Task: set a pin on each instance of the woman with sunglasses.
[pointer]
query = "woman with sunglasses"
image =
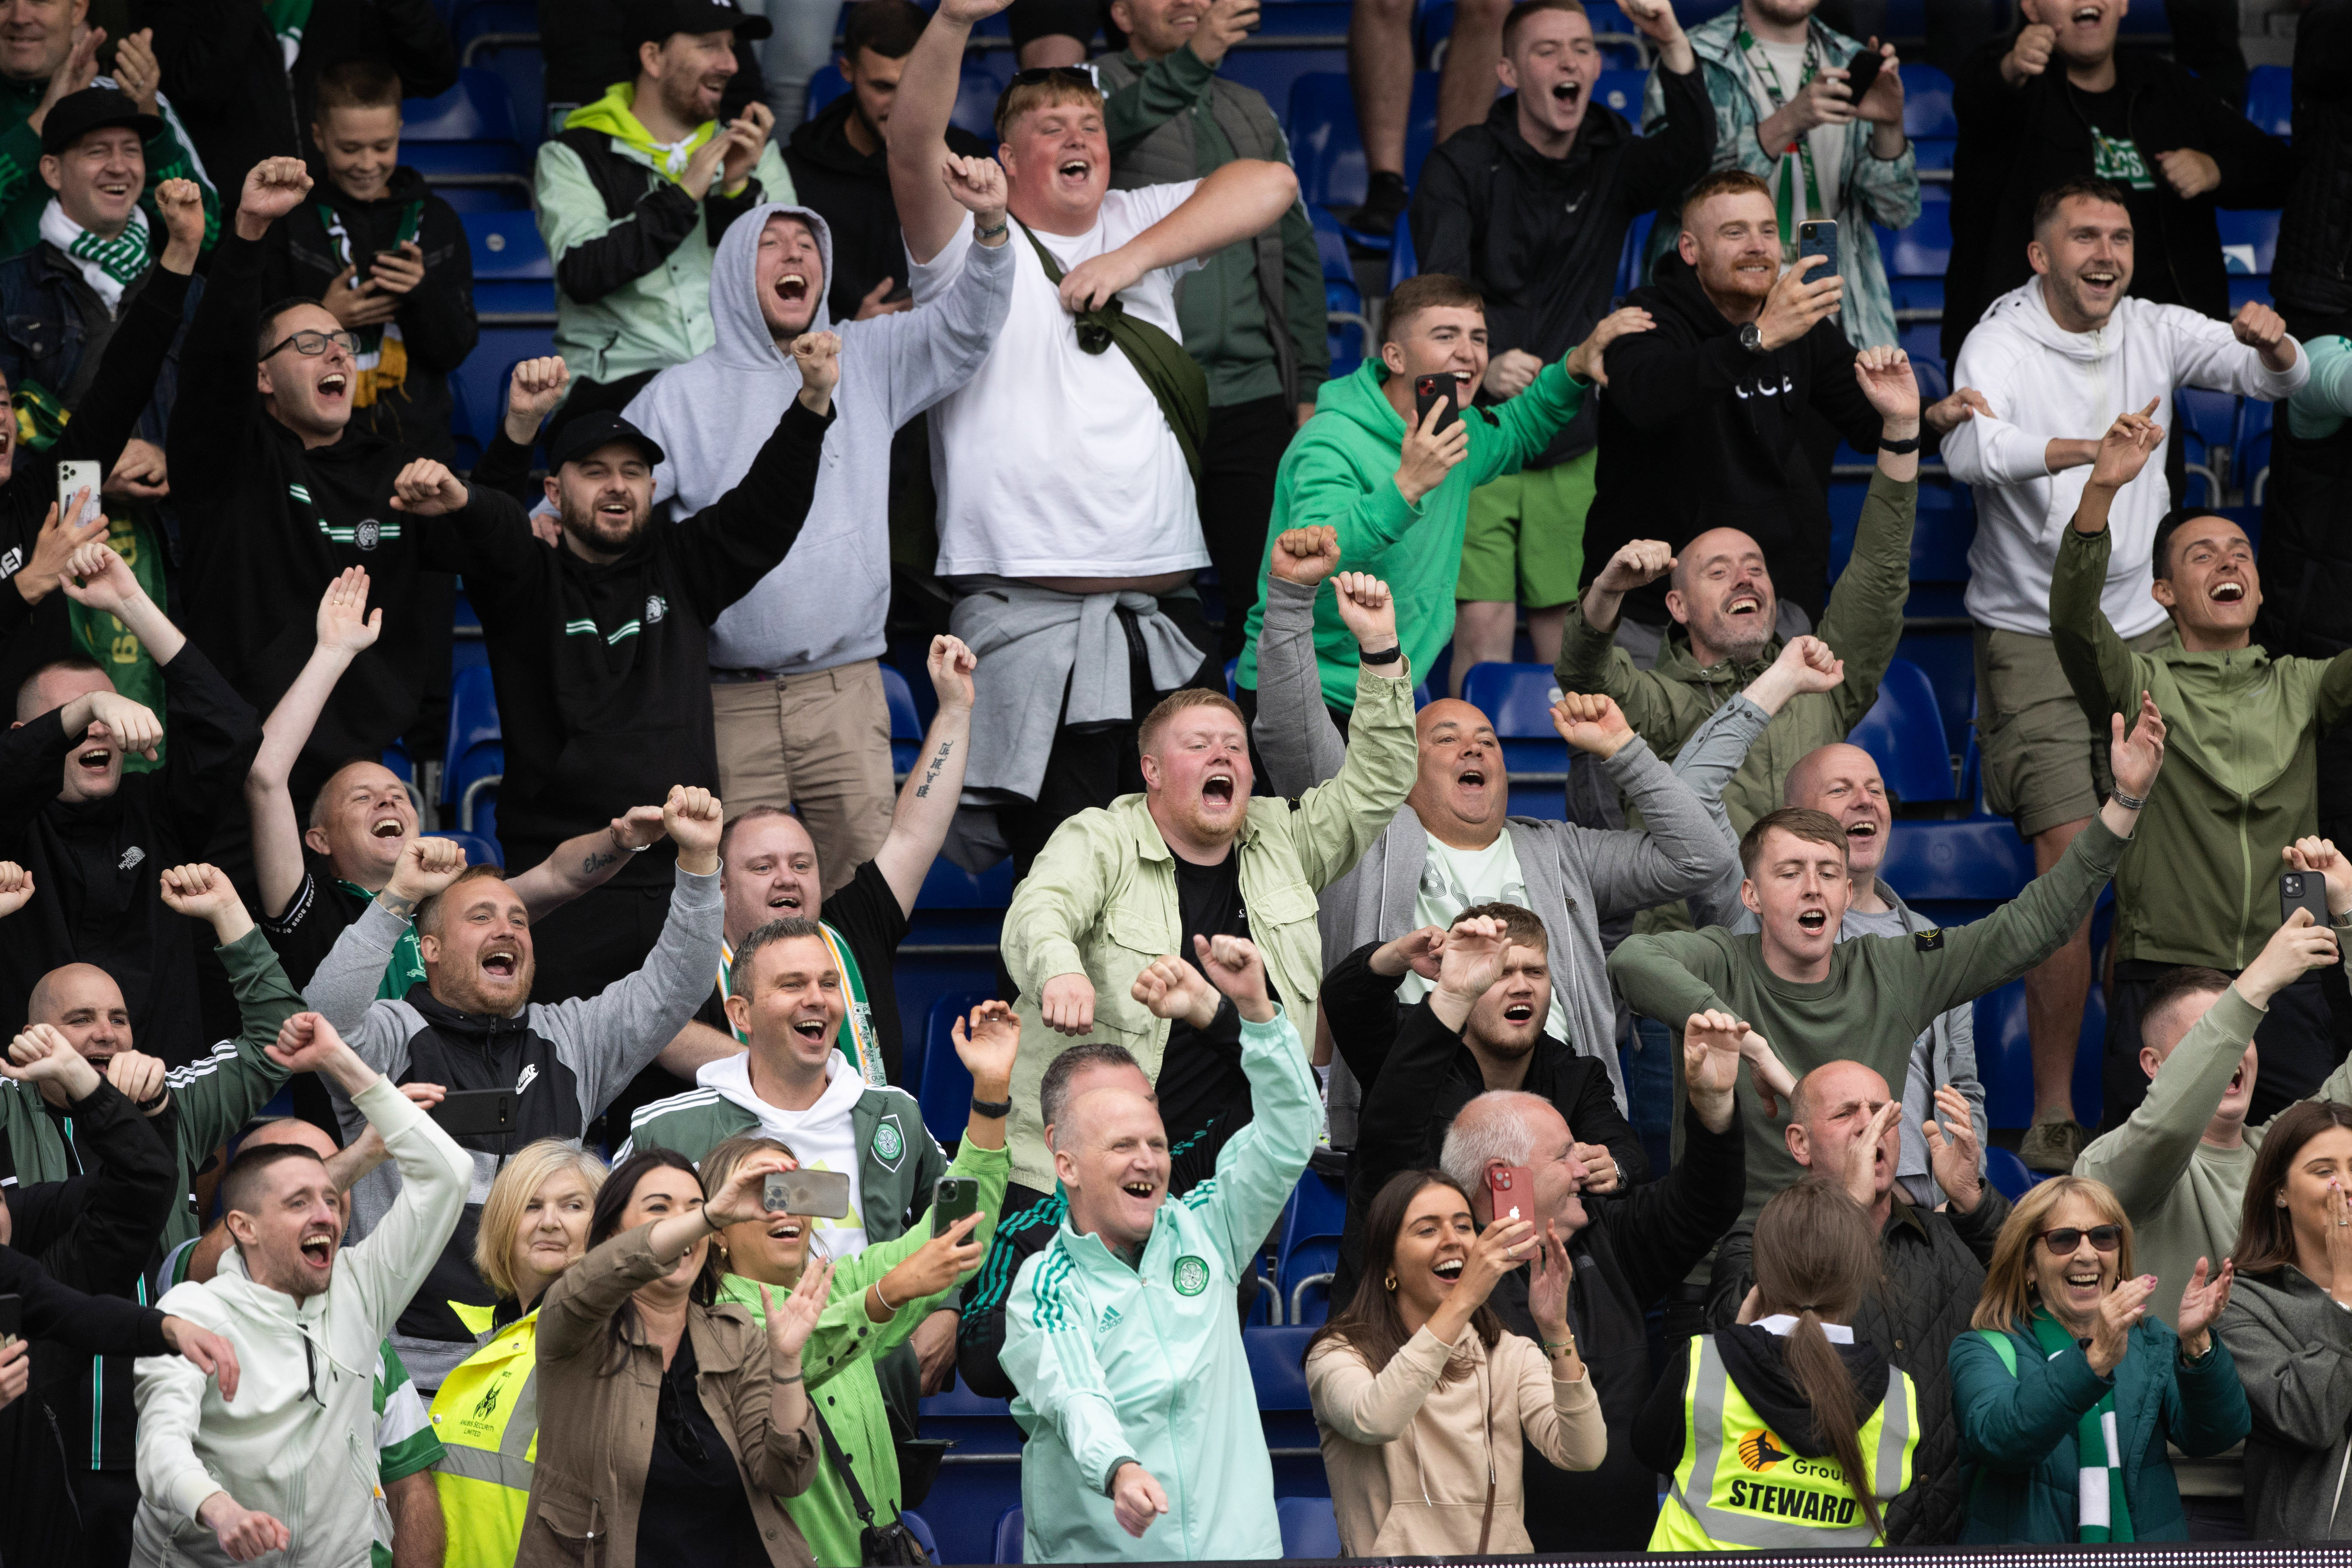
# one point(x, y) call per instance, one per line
point(2068, 1389)
point(2289, 1325)
point(670, 1422)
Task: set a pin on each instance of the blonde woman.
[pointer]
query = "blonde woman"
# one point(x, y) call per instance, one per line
point(2068, 1389)
point(1422, 1396)
point(534, 1225)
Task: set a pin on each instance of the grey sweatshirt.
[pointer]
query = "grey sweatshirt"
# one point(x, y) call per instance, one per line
point(2292, 1345)
point(1576, 876)
point(824, 604)
point(599, 1043)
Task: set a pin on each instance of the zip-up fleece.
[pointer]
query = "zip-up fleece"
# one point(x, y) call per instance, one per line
point(565, 1063)
point(2045, 382)
point(298, 1440)
point(604, 670)
point(1340, 471)
point(1143, 1361)
point(2198, 883)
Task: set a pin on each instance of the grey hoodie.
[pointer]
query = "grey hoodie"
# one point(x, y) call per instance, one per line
point(711, 415)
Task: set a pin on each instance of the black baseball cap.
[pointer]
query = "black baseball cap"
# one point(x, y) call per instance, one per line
point(602, 428)
point(94, 109)
point(657, 19)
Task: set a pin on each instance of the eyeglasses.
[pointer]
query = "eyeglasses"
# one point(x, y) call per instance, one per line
point(670, 1410)
point(311, 345)
point(2062, 1241)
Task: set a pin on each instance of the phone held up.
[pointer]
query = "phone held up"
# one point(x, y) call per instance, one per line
point(819, 1195)
point(1862, 73)
point(2303, 891)
point(1513, 1190)
point(1428, 393)
point(1818, 237)
point(952, 1198)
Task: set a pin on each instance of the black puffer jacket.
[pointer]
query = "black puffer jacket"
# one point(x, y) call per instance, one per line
point(2312, 275)
point(1935, 1274)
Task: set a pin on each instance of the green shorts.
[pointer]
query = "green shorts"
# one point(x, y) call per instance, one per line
point(1525, 539)
point(2043, 764)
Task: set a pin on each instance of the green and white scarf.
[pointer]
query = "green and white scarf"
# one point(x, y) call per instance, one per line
point(287, 19)
point(2102, 1515)
point(108, 266)
point(405, 965)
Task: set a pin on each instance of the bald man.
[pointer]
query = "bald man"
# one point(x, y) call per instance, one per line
point(1727, 621)
point(406, 1446)
point(1842, 782)
point(1454, 845)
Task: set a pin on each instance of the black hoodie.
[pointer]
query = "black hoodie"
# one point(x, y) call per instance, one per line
point(1756, 1360)
point(437, 328)
point(851, 191)
point(1540, 236)
point(265, 525)
point(1696, 432)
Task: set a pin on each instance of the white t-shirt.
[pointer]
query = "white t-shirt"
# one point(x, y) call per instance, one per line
point(826, 1139)
point(1827, 142)
point(1050, 461)
point(1454, 879)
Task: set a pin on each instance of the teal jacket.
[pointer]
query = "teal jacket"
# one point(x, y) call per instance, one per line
point(1340, 471)
point(2016, 1433)
point(1117, 1361)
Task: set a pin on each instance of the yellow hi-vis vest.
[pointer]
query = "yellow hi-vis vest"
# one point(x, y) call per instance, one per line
point(1739, 1486)
point(487, 1416)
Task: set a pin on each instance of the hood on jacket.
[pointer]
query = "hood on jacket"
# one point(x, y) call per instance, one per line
point(615, 114)
point(729, 1078)
point(480, 1029)
point(1361, 400)
point(1757, 1360)
point(1677, 281)
point(2023, 310)
point(741, 338)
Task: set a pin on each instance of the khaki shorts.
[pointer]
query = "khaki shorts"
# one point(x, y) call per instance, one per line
point(2043, 764)
point(1524, 543)
point(819, 742)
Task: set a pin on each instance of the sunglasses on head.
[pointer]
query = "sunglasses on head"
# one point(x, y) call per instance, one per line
point(1037, 76)
point(2062, 1241)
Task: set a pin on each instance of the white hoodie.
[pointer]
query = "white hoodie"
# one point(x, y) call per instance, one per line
point(298, 1442)
point(2047, 383)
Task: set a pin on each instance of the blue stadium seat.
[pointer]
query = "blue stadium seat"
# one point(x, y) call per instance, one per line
point(1978, 860)
point(473, 727)
point(1309, 1531)
point(985, 78)
point(944, 1090)
point(512, 272)
point(1351, 337)
point(948, 885)
point(2249, 241)
point(506, 196)
point(1516, 698)
point(1321, 20)
point(1311, 1227)
point(479, 850)
point(2270, 100)
point(476, 109)
point(2008, 1172)
point(1403, 262)
point(1332, 247)
point(2206, 425)
point(905, 727)
point(2005, 1055)
point(1946, 527)
point(1009, 1537)
point(825, 85)
point(1934, 152)
point(979, 1479)
point(920, 1528)
point(1928, 101)
point(1924, 250)
point(1328, 150)
point(1622, 90)
point(1903, 732)
point(1629, 276)
point(1274, 71)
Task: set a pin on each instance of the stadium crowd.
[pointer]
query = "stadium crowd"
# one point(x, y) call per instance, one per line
point(378, 1193)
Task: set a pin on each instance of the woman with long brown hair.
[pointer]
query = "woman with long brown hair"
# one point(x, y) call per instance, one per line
point(1422, 1396)
point(1785, 1432)
point(2068, 1388)
point(2289, 1324)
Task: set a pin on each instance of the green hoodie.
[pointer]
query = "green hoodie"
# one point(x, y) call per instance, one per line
point(1340, 471)
point(2199, 883)
point(24, 194)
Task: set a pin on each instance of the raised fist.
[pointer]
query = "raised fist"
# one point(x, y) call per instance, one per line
point(1305, 555)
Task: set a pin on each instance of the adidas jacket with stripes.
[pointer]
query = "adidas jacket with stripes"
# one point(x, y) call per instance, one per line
point(1117, 1361)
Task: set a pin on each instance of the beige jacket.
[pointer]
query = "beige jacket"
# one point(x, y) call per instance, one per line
point(596, 1427)
point(1409, 1461)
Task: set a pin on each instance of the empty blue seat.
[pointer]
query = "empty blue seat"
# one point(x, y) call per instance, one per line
point(2249, 241)
point(476, 109)
point(2005, 1055)
point(944, 1090)
point(1928, 101)
point(1904, 733)
point(1516, 698)
point(1310, 1532)
point(1328, 148)
point(948, 885)
point(1311, 1228)
point(1273, 72)
point(2270, 100)
point(513, 275)
point(906, 726)
point(1978, 860)
point(2206, 426)
point(1622, 90)
point(1940, 538)
point(1402, 261)
point(1275, 1369)
point(473, 720)
point(1009, 1536)
point(1924, 250)
point(2008, 1172)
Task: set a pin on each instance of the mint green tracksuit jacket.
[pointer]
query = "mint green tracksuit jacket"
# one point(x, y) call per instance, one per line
point(1116, 1361)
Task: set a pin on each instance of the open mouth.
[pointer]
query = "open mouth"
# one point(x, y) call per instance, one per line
point(1744, 603)
point(318, 1251)
point(614, 507)
point(1518, 1012)
point(789, 903)
point(502, 964)
point(1145, 1191)
point(1471, 778)
point(2083, 1281)
point(385, 827)
point(334, 384)
point(116, 189)
point(2228, 591)
point(2237, 1081)
point(790, 1230)
point(1567, 92)
point(1447, 1268)
point(1217, 790)
point(1864, 830)
point(792, 287)
point(2100, 281)
point(2085, 15)
point(1812, 921)
point(94, 758)
point(1074, 170)
point(812, 1029)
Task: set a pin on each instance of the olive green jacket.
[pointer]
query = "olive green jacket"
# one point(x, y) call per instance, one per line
point(1100, 899)
point(2240, 780)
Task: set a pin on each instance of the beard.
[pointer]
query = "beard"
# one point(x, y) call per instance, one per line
point(591, 527)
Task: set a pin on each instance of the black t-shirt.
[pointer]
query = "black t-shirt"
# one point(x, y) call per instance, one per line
point(1201, 1078)
point(321, 908)
point(694, 1513)
point(865, 915)
point(2116, 156)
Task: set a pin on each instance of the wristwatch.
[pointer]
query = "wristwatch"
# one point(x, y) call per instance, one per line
point(990, 1108)
point(1751, 336)
point(1903, 448)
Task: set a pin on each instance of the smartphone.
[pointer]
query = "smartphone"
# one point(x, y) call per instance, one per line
point(2304, 891)
point(80, 474)
point(951, 1199)
point(12, 1319)
point(474, 1112)
point(1428, 392)
point(820, 1194)
point(1861, 72)
point(1512, 1188)
point(1818, 236)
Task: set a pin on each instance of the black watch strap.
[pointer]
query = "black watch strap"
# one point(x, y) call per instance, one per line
point(990, 1108)
point(1902, 449)
point(1385, 656)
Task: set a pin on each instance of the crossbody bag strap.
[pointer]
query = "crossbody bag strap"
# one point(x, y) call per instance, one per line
point(841, 1464)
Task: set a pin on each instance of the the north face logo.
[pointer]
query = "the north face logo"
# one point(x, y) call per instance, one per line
point(130, 858)
point(655, 608)
point(1191, 1276)
point(367, 533)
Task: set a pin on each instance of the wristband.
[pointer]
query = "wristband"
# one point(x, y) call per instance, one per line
point(887, 1309)
point(995, 1109)
point(1386, 656)
point(619, 843)
point(979, 233)
point(1902, 449)
point(2129, 802)
point(779, 1382)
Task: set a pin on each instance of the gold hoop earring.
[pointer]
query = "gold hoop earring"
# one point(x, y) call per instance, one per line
point(1391, 1280)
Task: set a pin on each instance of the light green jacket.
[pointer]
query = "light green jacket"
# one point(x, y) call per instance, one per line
point(1143, 1361)
point(1100, 901)
point(839, 1363)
